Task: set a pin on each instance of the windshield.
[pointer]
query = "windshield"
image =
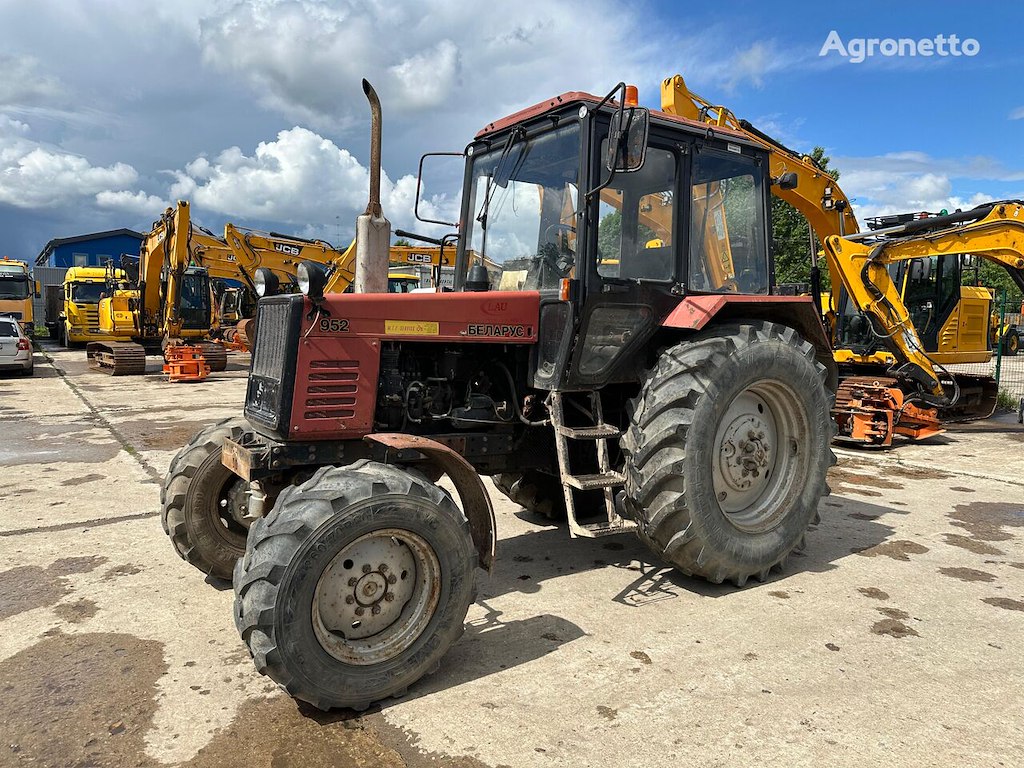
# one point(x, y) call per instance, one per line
point(524, 199)
point(13, 287)
point(87, 293)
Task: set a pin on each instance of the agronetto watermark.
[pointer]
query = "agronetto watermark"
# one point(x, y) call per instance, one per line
point(858, 49)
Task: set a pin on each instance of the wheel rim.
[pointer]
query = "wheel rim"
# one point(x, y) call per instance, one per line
point(233, 504)
point(376, 596)
point(756, 452)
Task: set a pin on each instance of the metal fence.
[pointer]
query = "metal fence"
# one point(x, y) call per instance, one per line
point(1007, 363)
point(50, 279)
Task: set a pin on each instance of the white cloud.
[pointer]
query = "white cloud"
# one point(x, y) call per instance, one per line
point(306, 59)
point(37, 176)
point(1017, 114)
point(137, 204)
point(301, 179)
point(902, 182)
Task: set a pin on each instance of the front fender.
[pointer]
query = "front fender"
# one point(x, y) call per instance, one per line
point(476, 503)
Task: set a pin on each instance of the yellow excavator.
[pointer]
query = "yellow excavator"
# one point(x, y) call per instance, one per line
point(167, 301)
point(875, 333)
point(172, 302)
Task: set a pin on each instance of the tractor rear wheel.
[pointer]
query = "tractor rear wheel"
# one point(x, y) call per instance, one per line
point(534, 491)
point(727, 451)
point(355, 585)
point(204, 503)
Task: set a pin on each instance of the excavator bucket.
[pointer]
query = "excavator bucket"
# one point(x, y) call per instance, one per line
point(977, 397)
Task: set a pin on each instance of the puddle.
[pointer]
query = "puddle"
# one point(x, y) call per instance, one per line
point(897, 550)
point(89, 700)
point(986, 520)
point(893, 628)
point(30, 586)
point(917, 473)
point(893, 613)
point(76, 612)
point(90, 478)
point(977, 547)
point(967, 574)
point(1005, 603)
point(81, 700)
point(843, 481)
point(874, 593)
point(28, 442)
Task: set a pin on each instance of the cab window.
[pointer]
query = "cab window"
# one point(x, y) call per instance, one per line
point(635, 220)
point(727, 233)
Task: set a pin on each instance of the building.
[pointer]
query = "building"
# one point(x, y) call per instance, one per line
point(89, 250)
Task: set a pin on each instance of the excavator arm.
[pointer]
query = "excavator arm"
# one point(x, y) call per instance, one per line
point(795, 178)
point(994, 231)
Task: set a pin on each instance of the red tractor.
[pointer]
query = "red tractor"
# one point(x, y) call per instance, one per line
point(612, 353)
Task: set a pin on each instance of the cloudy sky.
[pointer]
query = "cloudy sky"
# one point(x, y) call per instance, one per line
point(253, 111)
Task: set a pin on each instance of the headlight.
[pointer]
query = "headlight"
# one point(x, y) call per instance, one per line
point(266, 282)
point(312, 280)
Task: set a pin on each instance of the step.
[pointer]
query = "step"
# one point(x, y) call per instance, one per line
point(593, 482)
point(594, 530)
point(599, 432)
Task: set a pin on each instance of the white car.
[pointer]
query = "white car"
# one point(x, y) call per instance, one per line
point(15, 347)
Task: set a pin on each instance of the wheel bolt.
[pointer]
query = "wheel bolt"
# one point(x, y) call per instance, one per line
point(360, 611)
point(353, 581)
point(389, 597)
point(366, 568)
point(375, 610)
point(349, 600)
point(383, 568)
point(392, 579)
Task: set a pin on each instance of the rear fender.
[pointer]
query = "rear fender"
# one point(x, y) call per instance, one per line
point(798, 312)
point(476, 503)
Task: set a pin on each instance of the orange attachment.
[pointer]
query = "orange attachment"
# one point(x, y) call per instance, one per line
point(185, 363)
point(632, 96)
point(871, 411)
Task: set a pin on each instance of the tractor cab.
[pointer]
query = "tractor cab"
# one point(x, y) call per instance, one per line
point(612, 215)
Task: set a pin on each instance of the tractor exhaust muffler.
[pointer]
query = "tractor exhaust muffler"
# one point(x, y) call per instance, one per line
point(373, 230)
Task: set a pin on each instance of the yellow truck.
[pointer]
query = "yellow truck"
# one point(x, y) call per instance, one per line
point(78, 319)
point(16, 291)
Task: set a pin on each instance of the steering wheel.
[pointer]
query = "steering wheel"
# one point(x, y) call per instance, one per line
point(562, 260)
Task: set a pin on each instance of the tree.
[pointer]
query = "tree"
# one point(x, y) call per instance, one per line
point(791, 236)
point(402, 242)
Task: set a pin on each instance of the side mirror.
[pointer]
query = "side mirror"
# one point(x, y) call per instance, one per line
point(787, 180)
point(419, 187)
point(627, 139)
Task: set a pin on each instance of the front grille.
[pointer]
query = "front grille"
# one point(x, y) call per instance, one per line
point(272, 375)
point(331, 391)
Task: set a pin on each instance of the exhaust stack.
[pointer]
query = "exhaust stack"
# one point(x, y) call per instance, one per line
point(373, 231)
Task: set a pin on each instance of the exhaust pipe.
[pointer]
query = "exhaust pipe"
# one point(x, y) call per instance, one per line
point(373, 230)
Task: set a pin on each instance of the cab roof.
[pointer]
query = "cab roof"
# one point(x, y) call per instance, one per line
point(582, 97)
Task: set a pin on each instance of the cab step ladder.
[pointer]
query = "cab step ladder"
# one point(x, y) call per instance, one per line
point(605, 480)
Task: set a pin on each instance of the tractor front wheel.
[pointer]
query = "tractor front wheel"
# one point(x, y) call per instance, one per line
point(355, 585)
point(727, 451)
point(204, 503)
